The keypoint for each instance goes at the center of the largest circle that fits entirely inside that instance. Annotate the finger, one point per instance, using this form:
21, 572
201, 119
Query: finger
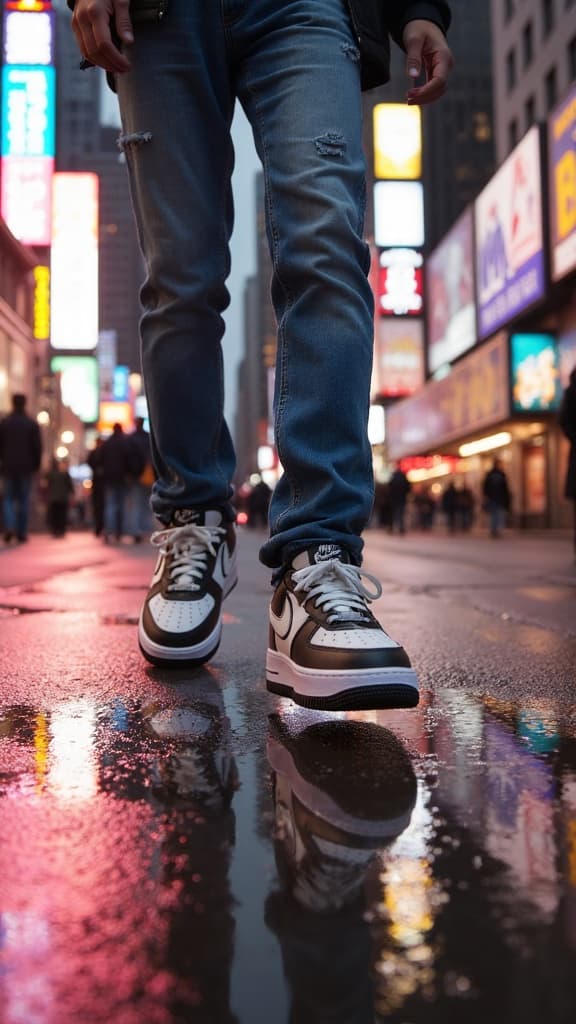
440, 64
414, 57
96, 43
122, 21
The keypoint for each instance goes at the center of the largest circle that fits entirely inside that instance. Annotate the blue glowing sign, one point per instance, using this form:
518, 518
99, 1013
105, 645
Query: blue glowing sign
28, 111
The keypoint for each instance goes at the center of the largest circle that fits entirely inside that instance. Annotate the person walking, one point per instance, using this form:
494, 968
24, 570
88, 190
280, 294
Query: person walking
399, 488
497, 495
97, 493
567, 420
141, 483
59, 489
20, 458
297, 67
117, 460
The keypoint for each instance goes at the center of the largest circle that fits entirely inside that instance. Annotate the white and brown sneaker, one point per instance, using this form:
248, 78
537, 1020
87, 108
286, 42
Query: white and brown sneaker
326, 649
181, 619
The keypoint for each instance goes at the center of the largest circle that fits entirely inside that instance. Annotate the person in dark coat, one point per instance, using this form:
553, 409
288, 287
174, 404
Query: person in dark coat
97, 494
449, 506
117, 466
497, 495
567, 420
20, 457
59, 490
399, 488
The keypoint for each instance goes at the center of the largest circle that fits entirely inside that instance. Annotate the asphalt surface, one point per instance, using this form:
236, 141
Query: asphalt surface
179, 846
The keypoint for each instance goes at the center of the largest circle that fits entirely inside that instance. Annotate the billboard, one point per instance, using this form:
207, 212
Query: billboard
74, 314
397, 131
535, 371
475, 395
398, 214
28, 37
28, 111
26, 197
398, 357
450, 289
41, 302
562, 164
78, 384
399, 290
510, 266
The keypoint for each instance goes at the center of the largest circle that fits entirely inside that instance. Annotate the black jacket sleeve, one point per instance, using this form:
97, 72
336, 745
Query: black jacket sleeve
399, 13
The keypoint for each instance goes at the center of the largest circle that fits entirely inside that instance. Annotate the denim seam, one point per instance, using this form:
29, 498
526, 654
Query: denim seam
282, 353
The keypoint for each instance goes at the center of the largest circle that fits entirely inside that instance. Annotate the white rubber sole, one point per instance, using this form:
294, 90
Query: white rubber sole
197, 653
366, 689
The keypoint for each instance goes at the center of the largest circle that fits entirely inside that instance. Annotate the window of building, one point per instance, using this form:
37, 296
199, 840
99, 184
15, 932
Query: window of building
547, 17
512, 134
530, 111
571, 53
527, 44
511, 69
550, 88
482, 126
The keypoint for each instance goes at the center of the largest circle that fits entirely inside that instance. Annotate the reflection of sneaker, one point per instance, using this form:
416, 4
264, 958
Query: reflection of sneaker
326, 649
195, 765
342, 790
181, 620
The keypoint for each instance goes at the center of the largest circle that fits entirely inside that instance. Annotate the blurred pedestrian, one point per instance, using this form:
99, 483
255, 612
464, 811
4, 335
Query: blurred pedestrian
425, 507
399, 488
450, 506
298, 68
567, 420
117, 463
497, 495
59, 489
258, 504
464, 508
97, 492
20, 457
142, 478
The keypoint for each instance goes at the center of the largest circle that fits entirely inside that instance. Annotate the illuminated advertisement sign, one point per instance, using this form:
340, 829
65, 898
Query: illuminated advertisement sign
400, 283
41, 303
398, 357
397, 141
398, 214
567, 356
26, 197
535, 372
78, 384
121, 383
74, 323
28, 37
115, 412
562, 161
28, 111
474, 396
509, 246
450, 289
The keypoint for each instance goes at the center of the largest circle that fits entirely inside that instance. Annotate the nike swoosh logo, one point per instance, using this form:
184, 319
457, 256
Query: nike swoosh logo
158, 571
282, 624
222, 566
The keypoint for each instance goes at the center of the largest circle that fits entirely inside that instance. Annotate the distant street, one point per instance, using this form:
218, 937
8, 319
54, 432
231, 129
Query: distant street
181, 847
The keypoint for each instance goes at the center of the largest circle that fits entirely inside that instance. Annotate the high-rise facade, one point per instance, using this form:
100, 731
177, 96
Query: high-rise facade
534, 53
84, 143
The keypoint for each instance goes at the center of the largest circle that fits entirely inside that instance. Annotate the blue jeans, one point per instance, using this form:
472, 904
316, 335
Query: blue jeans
115, 496
17, 504
294, 67
497, 517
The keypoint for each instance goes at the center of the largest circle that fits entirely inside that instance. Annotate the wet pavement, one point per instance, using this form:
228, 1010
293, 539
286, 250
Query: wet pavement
179, 846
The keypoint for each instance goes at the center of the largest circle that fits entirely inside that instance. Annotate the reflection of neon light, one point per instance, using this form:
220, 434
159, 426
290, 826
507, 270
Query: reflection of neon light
73, 769
41, 751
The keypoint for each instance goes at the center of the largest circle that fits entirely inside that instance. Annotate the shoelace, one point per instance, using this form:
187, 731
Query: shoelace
188, 547
338, 589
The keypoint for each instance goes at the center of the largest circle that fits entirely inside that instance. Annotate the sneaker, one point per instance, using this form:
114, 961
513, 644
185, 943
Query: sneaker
181, 620
326, 649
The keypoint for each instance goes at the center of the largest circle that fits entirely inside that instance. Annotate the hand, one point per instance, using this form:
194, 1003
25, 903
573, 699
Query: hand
91, 25
426, 47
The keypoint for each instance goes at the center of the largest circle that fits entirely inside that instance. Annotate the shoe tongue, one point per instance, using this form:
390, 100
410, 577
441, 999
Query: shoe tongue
320, 553
199, 517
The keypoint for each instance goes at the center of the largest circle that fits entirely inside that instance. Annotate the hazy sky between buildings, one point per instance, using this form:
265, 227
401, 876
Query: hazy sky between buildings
243, 246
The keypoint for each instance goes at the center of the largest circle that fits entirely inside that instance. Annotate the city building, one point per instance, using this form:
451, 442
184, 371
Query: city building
18, 350
86, 142
534, 55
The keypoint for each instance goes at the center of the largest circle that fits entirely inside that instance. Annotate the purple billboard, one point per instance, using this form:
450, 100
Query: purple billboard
562, 158
510, 265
